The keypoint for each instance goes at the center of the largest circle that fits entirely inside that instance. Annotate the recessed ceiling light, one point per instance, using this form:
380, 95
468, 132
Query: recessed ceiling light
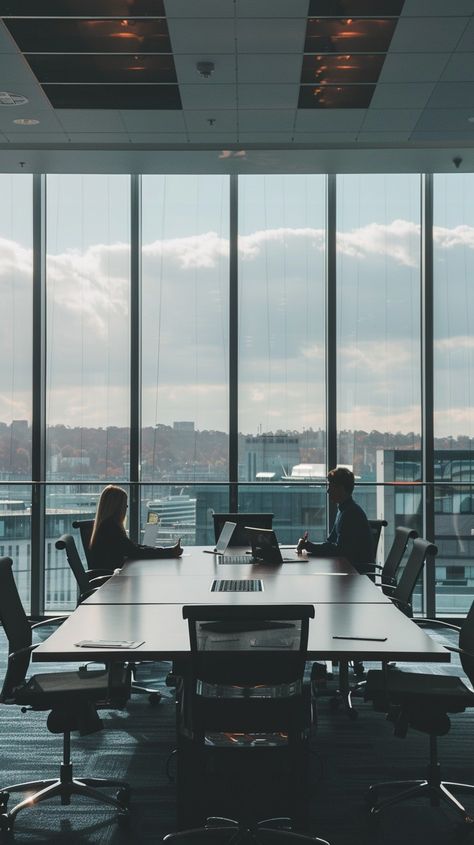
26, 121
470, 119
9, 99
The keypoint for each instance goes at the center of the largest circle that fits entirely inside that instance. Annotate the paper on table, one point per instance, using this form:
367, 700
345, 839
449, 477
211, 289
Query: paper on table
109, 643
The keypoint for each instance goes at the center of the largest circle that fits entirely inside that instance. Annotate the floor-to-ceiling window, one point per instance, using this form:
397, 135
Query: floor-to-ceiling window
260, 298
16, 302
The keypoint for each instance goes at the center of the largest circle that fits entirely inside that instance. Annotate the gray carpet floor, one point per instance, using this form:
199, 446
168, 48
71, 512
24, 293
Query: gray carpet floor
347, 756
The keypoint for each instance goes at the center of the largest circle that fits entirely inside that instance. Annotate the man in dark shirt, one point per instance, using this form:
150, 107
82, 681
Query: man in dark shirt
350, 536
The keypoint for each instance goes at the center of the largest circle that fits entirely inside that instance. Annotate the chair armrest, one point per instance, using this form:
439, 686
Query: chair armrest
53, 620
374, 568
404, 606
22, 651
98, 573
97, 582
461, 651
437, 622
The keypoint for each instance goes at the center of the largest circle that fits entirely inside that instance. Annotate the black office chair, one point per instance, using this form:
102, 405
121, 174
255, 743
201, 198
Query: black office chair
386, 575
72, 699
240, 537
85, 529
376, 526
402, 593
423, 701
242, 711
87, 580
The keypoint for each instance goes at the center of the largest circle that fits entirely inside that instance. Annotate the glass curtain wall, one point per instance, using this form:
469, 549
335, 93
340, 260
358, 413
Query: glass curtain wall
378, 344
88, 356
186, 391
453, 271
185, 354
281, 328
16, 309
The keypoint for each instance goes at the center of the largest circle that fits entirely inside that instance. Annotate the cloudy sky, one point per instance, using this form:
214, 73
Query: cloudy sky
281, 301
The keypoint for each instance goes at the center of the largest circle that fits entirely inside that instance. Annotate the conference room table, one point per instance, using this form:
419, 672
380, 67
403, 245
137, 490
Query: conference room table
139, 610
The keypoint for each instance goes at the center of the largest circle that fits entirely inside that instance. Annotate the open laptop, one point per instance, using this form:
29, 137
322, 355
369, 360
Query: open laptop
265, 548
224, 539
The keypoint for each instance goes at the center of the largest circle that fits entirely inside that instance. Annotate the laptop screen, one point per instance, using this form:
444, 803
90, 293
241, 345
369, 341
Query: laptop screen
225, 537
264, 544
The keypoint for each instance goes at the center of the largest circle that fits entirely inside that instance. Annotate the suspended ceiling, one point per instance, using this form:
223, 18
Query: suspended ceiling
114, 87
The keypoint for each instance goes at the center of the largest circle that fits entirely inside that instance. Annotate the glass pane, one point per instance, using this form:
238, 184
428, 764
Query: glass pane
182, 511
453, 390
15, 534
88, 337
296, 508
185, 266
378, 331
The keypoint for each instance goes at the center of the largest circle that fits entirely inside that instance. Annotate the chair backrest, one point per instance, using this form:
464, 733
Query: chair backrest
85, 528
404, 590
397, 550
67, 542
239, 537
16, 626
246, 645
376, 526
466, 642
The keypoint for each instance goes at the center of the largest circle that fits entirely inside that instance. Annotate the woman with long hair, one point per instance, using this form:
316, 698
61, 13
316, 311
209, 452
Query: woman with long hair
109, 545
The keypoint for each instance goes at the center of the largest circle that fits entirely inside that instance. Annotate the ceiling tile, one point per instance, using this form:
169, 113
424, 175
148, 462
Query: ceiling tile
402, 120
322, 138
459, 68
187, 33
90, 120
16, 76
265, 137
466, 43
383, 137
268, 96
152, 121
272, 9
437, 120
270, 68
7, 44
203, 9
224, 73
271, 35
208, 97
197, 121
98, 137
39, 138
211, 138
413, 67
261, 120
158, 137
48, 122
329, 120
434, 34
407, 95
436, 7
456, 95
449, 138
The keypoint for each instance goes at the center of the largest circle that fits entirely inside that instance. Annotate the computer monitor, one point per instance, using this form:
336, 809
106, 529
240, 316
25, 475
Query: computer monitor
240, 536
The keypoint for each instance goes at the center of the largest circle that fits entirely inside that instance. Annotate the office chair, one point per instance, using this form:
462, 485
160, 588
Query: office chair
376, 526
423, 701
385, 575
72, 699
242, 711
85, 529
87, 580
401, 594
239, 537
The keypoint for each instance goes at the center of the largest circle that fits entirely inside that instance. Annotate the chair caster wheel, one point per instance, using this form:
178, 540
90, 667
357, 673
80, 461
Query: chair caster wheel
123, 797
154, 698
6, 823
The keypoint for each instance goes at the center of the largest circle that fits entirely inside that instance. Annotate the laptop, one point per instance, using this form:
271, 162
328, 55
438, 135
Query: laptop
265, 548
224, 539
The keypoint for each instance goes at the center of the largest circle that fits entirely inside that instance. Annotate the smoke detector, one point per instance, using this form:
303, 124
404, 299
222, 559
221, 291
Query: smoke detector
205, 69
8, 99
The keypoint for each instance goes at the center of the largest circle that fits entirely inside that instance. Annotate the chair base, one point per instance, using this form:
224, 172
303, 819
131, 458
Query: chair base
433, 788
65, 786
232, 832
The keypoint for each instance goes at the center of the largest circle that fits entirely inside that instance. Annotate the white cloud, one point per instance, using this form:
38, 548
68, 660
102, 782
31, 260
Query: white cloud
457, 343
